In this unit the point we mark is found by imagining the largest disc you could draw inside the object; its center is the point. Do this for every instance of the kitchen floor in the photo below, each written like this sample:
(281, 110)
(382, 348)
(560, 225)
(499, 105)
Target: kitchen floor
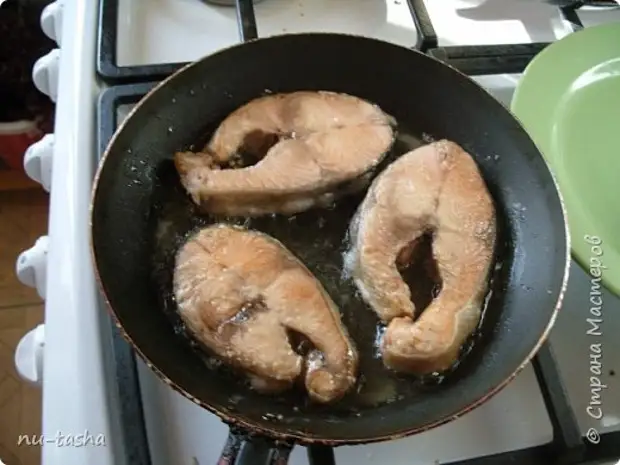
(23, 219)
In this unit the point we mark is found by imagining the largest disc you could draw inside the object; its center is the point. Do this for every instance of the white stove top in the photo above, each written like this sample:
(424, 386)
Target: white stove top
(169, 31)
(160, 31)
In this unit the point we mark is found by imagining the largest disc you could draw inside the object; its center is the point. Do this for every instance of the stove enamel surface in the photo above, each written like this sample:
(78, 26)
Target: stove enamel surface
(169, 31)
(495, 427)
(179, 432)
(172, 31)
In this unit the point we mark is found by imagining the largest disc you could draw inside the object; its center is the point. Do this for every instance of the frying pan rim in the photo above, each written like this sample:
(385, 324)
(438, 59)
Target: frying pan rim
(233, 420)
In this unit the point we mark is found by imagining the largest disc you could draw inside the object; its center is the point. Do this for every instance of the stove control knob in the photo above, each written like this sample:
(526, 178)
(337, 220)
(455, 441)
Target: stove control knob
(29, 355)
(45, 74)
(38, 161)
(51, 21)
(31, 266)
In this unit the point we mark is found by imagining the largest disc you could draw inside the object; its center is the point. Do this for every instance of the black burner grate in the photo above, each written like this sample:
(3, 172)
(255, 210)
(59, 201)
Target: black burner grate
(473, 60)
(478, 60)
(107, 40)
(131, 83)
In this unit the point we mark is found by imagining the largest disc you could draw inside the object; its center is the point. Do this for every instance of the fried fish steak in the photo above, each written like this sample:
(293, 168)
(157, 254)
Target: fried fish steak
(243, 295)
(438, 190)
(309, 148)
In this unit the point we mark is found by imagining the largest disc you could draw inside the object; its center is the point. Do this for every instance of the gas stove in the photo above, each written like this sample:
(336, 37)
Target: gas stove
(115, 52)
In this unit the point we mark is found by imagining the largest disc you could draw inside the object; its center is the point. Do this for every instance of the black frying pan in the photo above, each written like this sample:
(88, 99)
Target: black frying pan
(137, 191)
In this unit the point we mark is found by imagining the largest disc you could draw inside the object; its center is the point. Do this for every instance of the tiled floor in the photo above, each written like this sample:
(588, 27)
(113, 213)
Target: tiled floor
(23, 218)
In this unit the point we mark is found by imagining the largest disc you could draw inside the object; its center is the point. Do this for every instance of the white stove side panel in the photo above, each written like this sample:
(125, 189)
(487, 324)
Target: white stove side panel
(74, 394)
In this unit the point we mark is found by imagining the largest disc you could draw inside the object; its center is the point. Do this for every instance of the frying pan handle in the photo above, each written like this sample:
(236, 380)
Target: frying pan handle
(244, 449)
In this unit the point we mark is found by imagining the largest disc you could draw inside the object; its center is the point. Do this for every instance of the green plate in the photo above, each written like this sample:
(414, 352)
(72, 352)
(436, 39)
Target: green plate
(569, 102)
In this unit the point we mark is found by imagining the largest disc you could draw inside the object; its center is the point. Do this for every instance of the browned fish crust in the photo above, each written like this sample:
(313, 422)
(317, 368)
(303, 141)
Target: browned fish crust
(310, 147)
(241, 293)
(436, 189)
